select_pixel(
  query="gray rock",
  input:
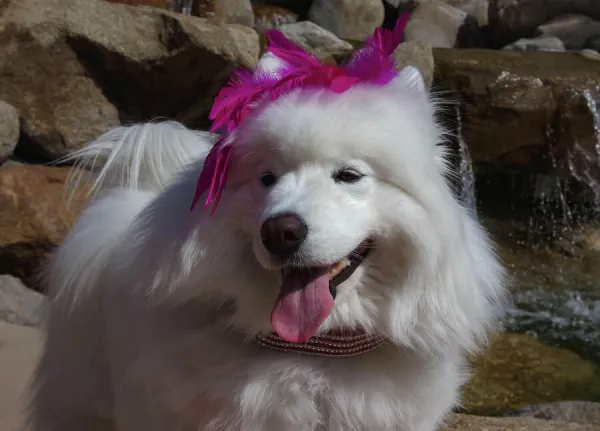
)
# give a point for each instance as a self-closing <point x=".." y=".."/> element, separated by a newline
<point x="582" y="412"/>
<point x="548" y="44"/>
<point x="435" y="23"/>
<point x="314" y="38"/>
<point x="9" y="130"/>
<point x="348" y="19"/>
<point x="222" y="11"/>
<point x="419" y="55"/>
<point x="510" y="20"/>
<point x="573" y="30"/>
<point x="19" y="304"/>
<point x="475" y="8"/>
<point x="593" y="43"/>
<point x="76" y="68"/>
<point x="590" y="54"/>
<point x="478" y="423"/>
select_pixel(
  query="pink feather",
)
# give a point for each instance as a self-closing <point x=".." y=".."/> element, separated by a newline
<point x="245" y="90"/>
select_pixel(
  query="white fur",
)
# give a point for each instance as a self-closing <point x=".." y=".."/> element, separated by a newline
<point x="154" y="306"/>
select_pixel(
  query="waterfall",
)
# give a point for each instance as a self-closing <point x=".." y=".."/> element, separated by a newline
<point x="465" y="169"/>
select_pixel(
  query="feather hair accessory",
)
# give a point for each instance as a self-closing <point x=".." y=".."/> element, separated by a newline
<point x="372" y="64"/>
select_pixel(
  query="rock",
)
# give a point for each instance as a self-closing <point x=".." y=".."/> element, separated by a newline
<point x="548" y="44"/>
<point x="9" y="130"/>
<point x="34" y="219"/>
<point x="516" y="371"/>
<point x="164" y="4"/>
<point x="590" y="54"/>
<point x="314" y="38"/>
<point x="268" y="16"/>
<point x="20" y="347"/>
<point x="516" y="107"/>
<point x="475" y="8"/>
<point x="225" y="11"/>
<point x="510" y="20"/>
<point x="416" y="54"/>
<point x="19" y="304"/>
<point x="443" y="26"/>
<point x="348" y="19"/>
<point x="573" y="30"/>
<point x="566" y="411"/>
<point x="75" y="68"/>
<point x="593" y="43"/>
<point x="477" y="423"/>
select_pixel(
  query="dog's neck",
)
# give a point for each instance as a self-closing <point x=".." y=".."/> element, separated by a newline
<point x="340" y="343"/>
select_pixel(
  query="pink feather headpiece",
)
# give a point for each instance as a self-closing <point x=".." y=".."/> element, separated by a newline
<point x="372" y="64"/>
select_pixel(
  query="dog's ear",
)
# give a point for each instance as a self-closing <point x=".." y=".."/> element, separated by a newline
<point x="410" y="78"/>
<point x="271" y="65"/>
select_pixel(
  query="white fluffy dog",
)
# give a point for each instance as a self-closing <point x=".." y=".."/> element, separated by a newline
<point x="160" y="317"/>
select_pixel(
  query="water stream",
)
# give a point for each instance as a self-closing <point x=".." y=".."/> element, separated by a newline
<point x="556" y="284"/>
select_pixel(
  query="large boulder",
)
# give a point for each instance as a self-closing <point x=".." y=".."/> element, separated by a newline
<point x="35" y="216"/>
<point x="75" y="68"/>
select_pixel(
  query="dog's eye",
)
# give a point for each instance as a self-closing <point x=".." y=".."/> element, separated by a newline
<point x="268" y="179"/>
<point x="347" y="175"/>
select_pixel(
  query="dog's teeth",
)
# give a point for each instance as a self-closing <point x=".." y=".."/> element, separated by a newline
<point x="338" y="267"/>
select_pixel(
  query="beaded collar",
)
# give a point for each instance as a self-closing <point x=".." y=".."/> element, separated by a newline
<point x="340" y="343"/>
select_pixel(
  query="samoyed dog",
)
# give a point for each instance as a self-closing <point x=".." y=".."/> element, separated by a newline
<point x="338" y="286"/>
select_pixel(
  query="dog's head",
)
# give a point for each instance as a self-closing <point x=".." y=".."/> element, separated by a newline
<point x="341" y="201"/>
<point x="337" y="214"/>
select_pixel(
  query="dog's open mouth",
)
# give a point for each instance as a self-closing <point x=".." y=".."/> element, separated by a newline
<point x="307" y="295"/>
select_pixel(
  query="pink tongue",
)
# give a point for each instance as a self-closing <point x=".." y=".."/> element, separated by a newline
<point x="304" y="302"/>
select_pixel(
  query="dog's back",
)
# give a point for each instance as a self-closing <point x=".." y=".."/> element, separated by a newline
<point x="71" y="387"/>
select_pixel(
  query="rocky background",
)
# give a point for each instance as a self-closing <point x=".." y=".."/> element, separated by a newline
<point x="525" y="74"/>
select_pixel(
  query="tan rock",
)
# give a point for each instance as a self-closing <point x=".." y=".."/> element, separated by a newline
<point x="267" y="16"/>
<point x="34" y="217"/>
<point x="225" y="11"/>
<point x="348" y="19"/>
<point x="154" y="3"/>
<point x="436" y="23"/>
<point x="417" y="54"/>
<point x="75" y="68"/>
<point x="516" y="371"/>
<point x="9" y="130"/>
<point x="476" y="423"/>
<point x="314" y="38"/>
<point x="19" y="351"/>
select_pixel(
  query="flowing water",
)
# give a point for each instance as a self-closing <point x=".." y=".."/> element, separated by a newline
<point x="556" y="284"/>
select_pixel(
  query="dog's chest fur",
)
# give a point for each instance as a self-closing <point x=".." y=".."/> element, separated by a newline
<point x="378" y="391"/>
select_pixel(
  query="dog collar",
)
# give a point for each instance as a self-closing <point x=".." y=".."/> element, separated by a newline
<point x="340" y="343"/>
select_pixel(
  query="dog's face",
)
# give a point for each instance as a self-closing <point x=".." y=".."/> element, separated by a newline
<point x="342" y="200"/>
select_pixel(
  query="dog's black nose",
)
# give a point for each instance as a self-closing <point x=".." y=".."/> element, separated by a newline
<point x="282" y="235"/>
